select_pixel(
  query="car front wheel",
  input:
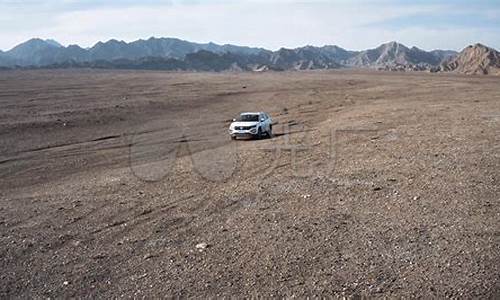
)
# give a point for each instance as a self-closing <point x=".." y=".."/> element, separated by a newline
<point x="259" y="133"/>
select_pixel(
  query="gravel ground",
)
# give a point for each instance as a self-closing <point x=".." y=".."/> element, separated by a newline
<point x="126" y="184"/>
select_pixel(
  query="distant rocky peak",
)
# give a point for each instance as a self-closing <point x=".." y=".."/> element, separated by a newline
<point x="54" y="43"/>
<point x="475" y="59"/>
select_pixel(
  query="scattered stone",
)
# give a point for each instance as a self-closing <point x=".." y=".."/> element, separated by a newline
<point x="99" y="256"/>
<point x="416" y="198"/>
<point x="146" y="212"/>
<point x="377" y="188"/>
<point x="148" y="256"/>
<point x="201" y="246"/>
<point x="66" y="282"/>
<point x="306" y="196"/>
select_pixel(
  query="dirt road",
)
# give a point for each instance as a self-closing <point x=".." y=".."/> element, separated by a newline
<point x="376" y="184"/>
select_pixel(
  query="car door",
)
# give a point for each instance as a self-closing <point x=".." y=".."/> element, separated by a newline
<point x="268" y="122"/>
<point x="265" y="122"/>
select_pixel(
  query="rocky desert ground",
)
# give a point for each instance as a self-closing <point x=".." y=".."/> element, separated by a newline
<point x="126" y="184"/>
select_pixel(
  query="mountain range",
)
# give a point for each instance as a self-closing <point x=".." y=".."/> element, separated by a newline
<point x="176" y="54"/>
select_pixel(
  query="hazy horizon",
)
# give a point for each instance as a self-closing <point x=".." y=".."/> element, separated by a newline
<point x="353" y="25"/>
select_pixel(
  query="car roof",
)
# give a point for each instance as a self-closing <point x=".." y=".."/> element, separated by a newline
<point x="251" y="113"/>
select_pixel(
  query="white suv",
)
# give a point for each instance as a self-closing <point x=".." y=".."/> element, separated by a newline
<point x="251" y="124"/>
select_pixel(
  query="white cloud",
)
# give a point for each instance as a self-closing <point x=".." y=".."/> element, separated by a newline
<point x="255" y="23"/>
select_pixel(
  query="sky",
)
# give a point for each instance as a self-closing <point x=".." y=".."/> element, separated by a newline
<point x="272" y="24"/>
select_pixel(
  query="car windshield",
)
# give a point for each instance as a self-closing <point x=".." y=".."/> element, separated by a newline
<point x="248" y="118"/>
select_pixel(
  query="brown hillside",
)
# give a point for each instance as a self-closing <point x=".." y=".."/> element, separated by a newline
<point x="475" y="59"/>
